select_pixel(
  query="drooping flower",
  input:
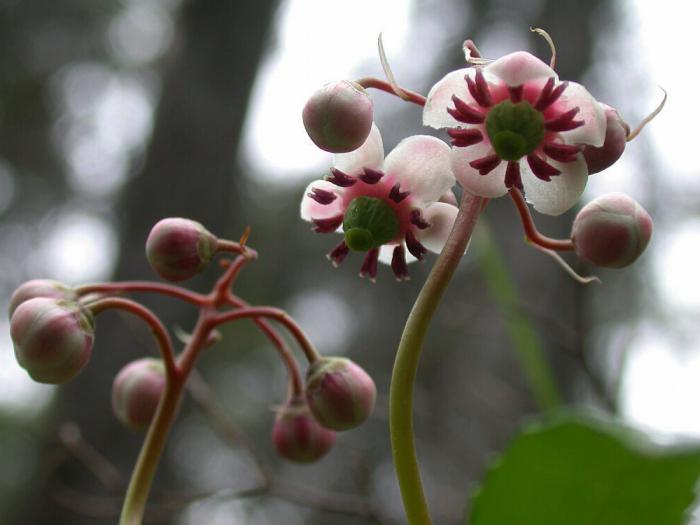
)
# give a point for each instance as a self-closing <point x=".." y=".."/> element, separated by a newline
<point x="513" y="123"/>
<point x="385" y="207"/>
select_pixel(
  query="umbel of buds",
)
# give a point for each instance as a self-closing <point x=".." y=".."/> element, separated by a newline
<point x="297" y="436"/>
<point x="178" y="249"/>
<point x="136" y="391"/>
<point x="338" y="117"/>
<point x="616" y="132"/>
<point x="39" y="288"/>
<point x="612" y="231"/>
<point x="52" y="337"/>
<point x="341" y="395"/>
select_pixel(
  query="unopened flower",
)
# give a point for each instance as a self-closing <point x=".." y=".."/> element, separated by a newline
<point x="513" y="123"/>
<point x="385" y="207"/>
<point x="616" y="132"/>
<point x="297" y="436"/>
<point x="39" y="288"/>
<point x="136" y="392"/>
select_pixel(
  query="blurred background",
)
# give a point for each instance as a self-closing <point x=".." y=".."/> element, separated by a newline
<point x="115" y="114"/>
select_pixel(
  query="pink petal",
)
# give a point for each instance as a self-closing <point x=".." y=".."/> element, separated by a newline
<point x="593" y="130"/>
<point x="490" y="185"/>
<point x="369" y="155"/>
<point x="559" y="194"/>
<point x="440" y="98"/>
<point x="519" y="67"/>
<point x="310" y="209"/>
<point x="441" y="217"/>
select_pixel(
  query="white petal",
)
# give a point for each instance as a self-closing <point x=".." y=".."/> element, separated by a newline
<point x="558" y="195"/>
<point x="440" y="98"/>
<point x="490" y="185"/>
<point x="441" y="217"/>
<point x="386" y="252"/>
<point x="519" y="67"/>
<point x="448" y="197"/>
<point x="369" y="155"/>
<point x="312" y="209"/>
<point x="592" y="113"/>
<point x="421" y="165"/>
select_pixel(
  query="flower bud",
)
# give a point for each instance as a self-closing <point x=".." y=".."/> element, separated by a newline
<point x="39" y="288"/>
<point x="611" y="231"/>
<point x="52" y="337"/>
<point x="616" y="131"/>
<point x="338" y="117"/>
<point x="340" y="394"/>
<point x="178" y="249"/>
<point x="136" y="391"/>
<point x="297" y="436"/>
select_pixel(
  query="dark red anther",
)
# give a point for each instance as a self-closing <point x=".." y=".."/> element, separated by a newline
<point x="414" y="246"/>
<point x="487" y="164"/>
<point x="340" y="178"/>
<point x="337" y="255"/>
<point x="541" y="168"/>
<point x="322" y="196"/>
<point x="369" y="265"/>
<point x="561" y="152"/>
<point x="565" y="121"/>
<point x="398" y="264"/>
<point x="396" y="195"/>
<point x="543" y="99"/>
<point x="463" y="112"/>
<point x="370" y="176"/>
<point x="552" y="97"/>
<point x="513" y="175"/>
<point x="479" y="89"/>
<point x="418" y="221"/>
<point x="327" y="225"/>
<point x="462" y="138"/>
<point x="515" y="93"/>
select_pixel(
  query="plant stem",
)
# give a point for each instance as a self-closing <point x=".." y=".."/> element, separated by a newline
<point x="408" y="356"/>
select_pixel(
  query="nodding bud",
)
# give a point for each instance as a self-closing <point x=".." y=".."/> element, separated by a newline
<point x="40" y="288"/>
<point x="616" y="131"/>
<point x="178" y="249"/>
<point x="340" y="394"/>
<point x="612" y="231"/>
<point x="338" y="117"/>
<point x="136" y="392"/>
<point x="297" y="436"/>
<point x="52" y="337"/>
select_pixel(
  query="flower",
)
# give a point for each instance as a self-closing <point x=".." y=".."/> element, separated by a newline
<point x="513" y="123"/>
<point x="385" y="206"/>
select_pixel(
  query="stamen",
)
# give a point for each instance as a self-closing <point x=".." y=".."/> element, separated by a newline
<point x="565" y="121"/>
<point x="398" y="264"/>
<point x="337" y="255"/>
<point x="371" y="176"/>
<point x="464" y="112"/>
<point x="542" y="169"/>
<point x="486" y="165"/>
<point x="560" y="152"/>
<point x="515" y="93"/>
<point x="369" y="266"/>
<point x="513" y="175"/>
<point x="396" y="195"/>
<point x="418" y="221"/>
<point x="323" y="197"/>
<point x="462" y="138"/>
<point x="414" y="246"/>
<point x="552" y="96"/>
<point x="340" y="178"/>
<point x="328" y="225"/>
<point x="479" y="89"/>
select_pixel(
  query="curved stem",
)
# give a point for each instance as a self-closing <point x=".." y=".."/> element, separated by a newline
<point x="408" y="356"/>
<point x="383" y="85"/>
<point x="534" y="236"/>
<point x="142" y="286"/>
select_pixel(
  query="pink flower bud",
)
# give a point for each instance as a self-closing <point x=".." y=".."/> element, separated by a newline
<point x="611" y="231"/>
<point x="39" y="288"/>
<point x="616" y="131"/>
<point x="340" y="394"/>
<point x="178" y="249"/>
<point x="52" y="337"/>
<point x="338" y="117"/>
<point x="297" y="436"/>
<point x="136" y="391"/>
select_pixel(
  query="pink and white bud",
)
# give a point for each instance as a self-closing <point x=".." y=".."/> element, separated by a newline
<point x="179" y="249"/>
<point x="616" y="131"/>
<point x="297" y="436"/>
<point x="136" y="392"/>
<point x="52" y="338"/>
<point x="340" y="394"/>
<point x="338" y="117"/>
<point x="612" y="231"/>
<point x="39" y="288"/>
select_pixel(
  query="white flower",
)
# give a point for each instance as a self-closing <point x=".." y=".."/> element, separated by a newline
<point x="385" y="206"/>
<point x="514" y="124"/>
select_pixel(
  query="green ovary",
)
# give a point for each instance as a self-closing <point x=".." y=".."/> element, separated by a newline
<point x="369" y="222"/>
<point x="514" y="129"/>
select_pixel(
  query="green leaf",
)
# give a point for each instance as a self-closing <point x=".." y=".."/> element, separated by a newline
<point x="581" y="470"/>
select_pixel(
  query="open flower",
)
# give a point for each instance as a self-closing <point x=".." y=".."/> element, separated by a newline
<point x="513" y="123"/>
<point x="385" y="207"/>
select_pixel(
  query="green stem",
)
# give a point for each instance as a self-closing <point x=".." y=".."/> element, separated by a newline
<point x="408" y="356"/>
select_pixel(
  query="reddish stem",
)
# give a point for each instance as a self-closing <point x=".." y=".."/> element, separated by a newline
<point x="224" y="283"/>
<point x="383" y="85"/>
<point x="143" y="286"/>
<point x="534" y="236"/>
